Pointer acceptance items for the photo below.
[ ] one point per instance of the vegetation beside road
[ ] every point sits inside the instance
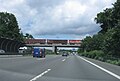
(105, 45)
(101, 56)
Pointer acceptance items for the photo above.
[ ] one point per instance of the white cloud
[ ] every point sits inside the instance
(55, 18)
(69, 11)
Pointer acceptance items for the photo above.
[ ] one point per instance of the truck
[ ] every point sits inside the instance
(39, 52)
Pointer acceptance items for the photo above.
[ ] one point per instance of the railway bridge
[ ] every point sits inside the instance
(52, 43)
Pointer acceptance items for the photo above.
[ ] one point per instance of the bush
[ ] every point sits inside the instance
(100, 55)
(116, 62)
(119, 63)
(108, 61)
(96, 54)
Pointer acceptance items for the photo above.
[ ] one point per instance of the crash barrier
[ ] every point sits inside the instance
(10, 55)
(15, 54)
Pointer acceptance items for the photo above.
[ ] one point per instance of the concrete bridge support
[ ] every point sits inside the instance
(54, 49)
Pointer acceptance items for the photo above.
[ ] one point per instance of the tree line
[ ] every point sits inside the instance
(9, 28)
(106, 43)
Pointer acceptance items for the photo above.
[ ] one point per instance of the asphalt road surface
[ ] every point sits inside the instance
(56, 68)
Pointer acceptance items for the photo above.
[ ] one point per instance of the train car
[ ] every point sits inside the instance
(34, 41)
(57, 41)
(74, 41)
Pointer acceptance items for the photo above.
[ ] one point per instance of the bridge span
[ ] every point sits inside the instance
(53, 43)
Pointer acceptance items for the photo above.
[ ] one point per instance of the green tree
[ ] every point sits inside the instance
(109, 21)
(105, 20)
(98, 40)
(93, 43)
(112, 42)
(109, 18)
(28, 36)
(87, 43)
(116, 13)
(9, 27)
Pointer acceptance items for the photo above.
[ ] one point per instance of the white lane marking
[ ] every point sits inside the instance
(40, 75)
(105, 70)
(40, 58)
(63, 60)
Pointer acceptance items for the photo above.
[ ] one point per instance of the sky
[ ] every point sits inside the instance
(56, 19)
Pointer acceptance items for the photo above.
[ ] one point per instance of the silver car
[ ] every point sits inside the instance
(2, 51)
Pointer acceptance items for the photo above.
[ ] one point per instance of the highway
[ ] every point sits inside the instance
(56, 68)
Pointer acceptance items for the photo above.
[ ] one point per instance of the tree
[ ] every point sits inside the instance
(109, 18)
(9, 27)
(87, 43)
(109, 21)
(28, 36)
(112, 42)
(105, 20)
(93, 43)
(98, 41)
(116, 13)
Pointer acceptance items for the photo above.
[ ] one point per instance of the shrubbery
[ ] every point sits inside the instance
(94, 54)
(116, 62)
(100, 55)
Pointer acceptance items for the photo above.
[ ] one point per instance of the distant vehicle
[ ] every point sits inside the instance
(65, 54)
(2, 51)
(39, 52)
(22, 49)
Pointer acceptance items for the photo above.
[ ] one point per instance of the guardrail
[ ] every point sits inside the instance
(11, 54)
(14, 54)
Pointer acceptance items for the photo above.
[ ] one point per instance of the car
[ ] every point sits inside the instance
(2, 51)
(65, 54)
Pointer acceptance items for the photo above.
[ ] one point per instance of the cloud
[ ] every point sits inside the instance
(56, 18)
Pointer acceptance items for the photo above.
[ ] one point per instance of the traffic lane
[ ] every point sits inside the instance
(13, 76)
(11, 71)
(113, 68)
(76, 69)
(22, 69)
(17, 64)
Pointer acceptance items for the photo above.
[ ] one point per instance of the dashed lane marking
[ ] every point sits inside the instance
(63, 60)
(41, 58)
(40, 75)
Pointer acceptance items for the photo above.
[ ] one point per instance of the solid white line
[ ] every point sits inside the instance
(105, 70)
(63, 60)
(40, 75)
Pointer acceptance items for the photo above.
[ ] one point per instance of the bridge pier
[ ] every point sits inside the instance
(54, 49)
